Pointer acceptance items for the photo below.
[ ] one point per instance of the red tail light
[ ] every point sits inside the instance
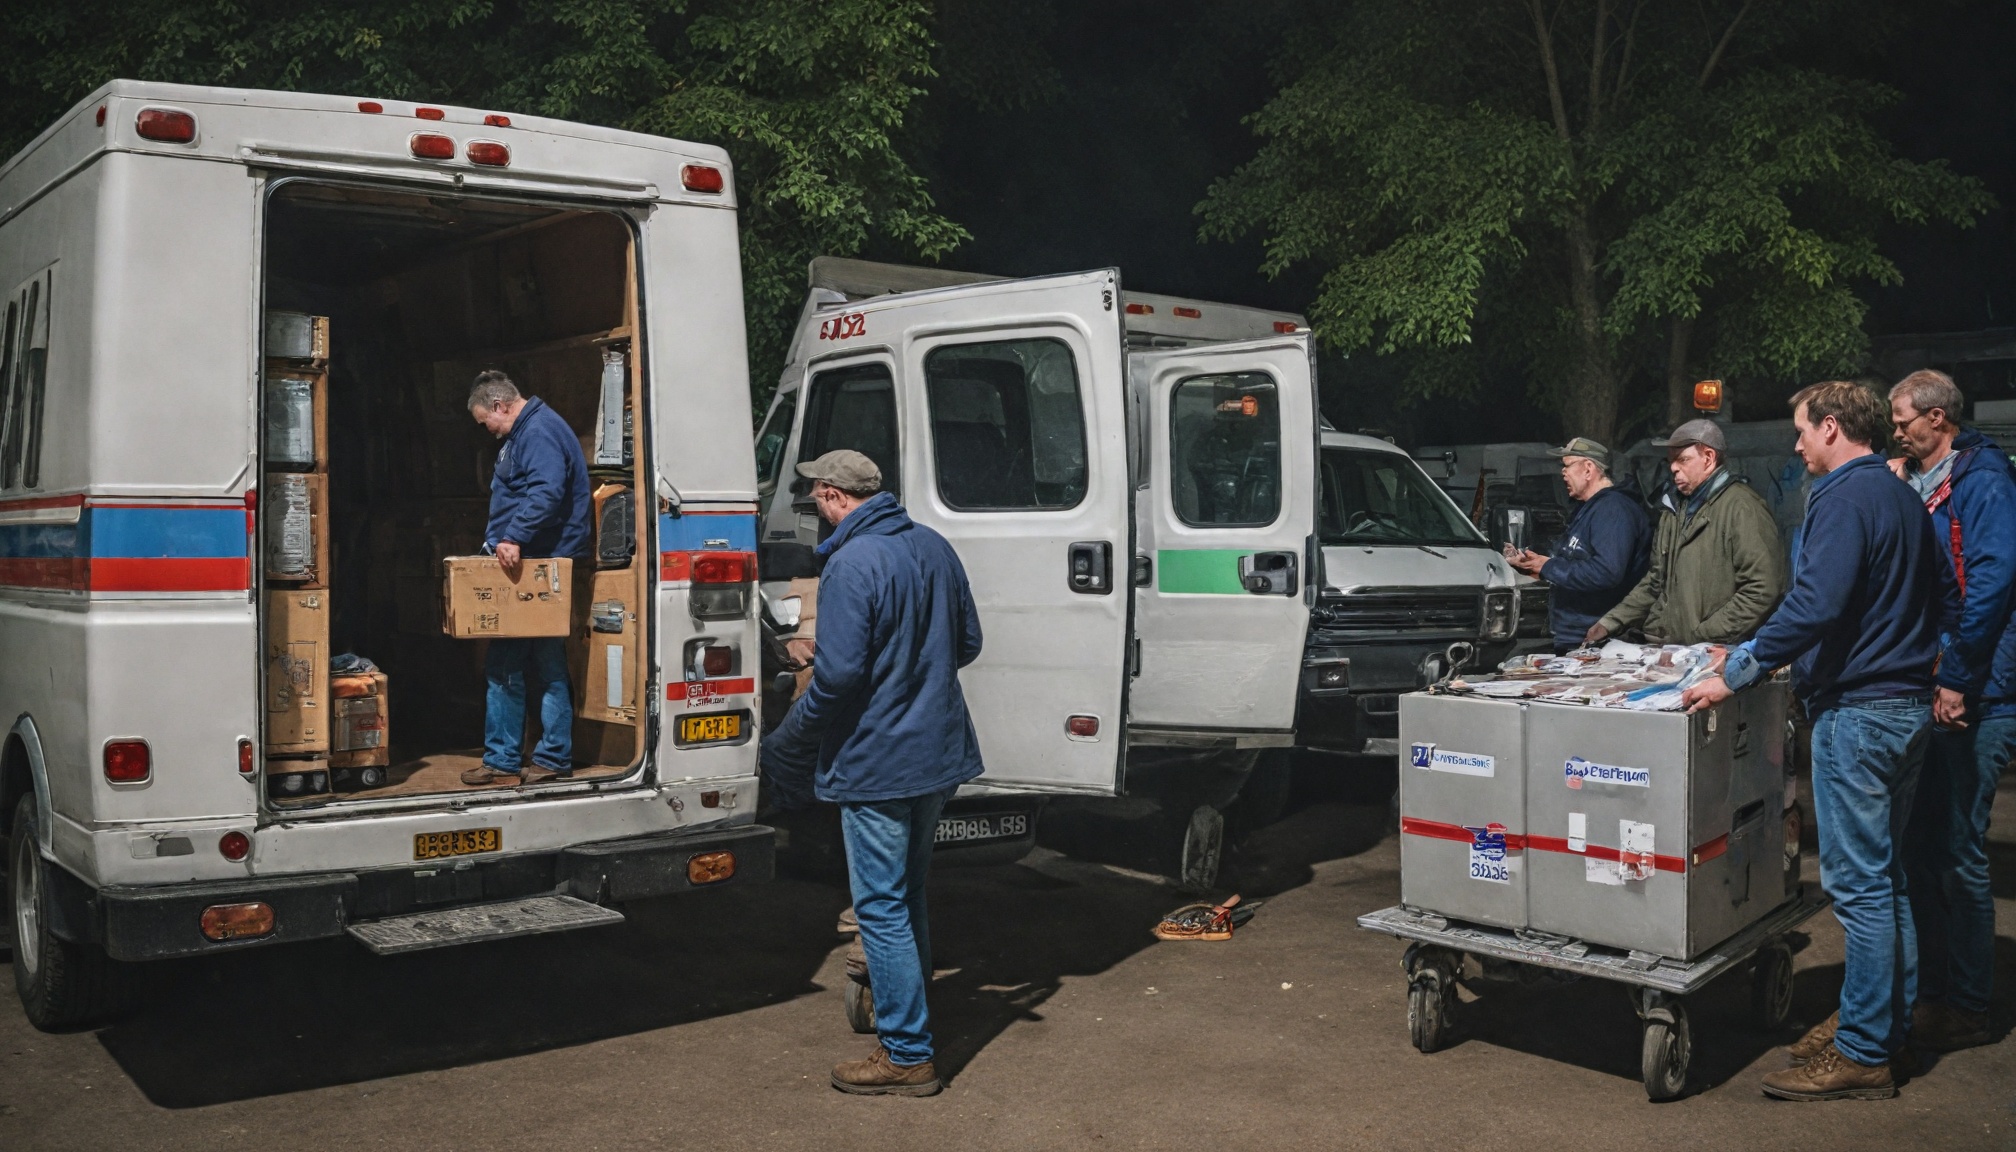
(246, 765)
(1140, 309)
(371, 106)
(429, 113)
(1286, 326)
(128, 761)
(701, 178)
(429, 146)
(496, 121)
(234, 846)
(717, 660)
(1083, 726)
(1187, 313)
(487, 152)
(166, 125)
(723, 568)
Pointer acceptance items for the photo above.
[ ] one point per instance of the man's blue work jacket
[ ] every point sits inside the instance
(884, 717)
(1975, 520)
(539, 498)
(1602, 557)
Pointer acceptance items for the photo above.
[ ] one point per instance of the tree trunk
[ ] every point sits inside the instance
(1589, 407)
(1679, 384)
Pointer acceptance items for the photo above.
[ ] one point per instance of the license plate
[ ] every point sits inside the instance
(466, 842)
(707, 729)
(969, 829)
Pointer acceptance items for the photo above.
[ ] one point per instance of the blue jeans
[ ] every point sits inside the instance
(1946, 856)
(507, 667)
(1866, 758)
(888, 858)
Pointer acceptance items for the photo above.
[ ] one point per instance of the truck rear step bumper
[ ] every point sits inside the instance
(470, 923)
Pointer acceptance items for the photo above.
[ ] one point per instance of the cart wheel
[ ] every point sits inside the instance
(1795, 830)
(860, 1002)
(1431, 999)
(1771, 986)
(1203, 848)
(1668, 1047)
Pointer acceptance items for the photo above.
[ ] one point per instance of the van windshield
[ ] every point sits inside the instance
(1372, 497)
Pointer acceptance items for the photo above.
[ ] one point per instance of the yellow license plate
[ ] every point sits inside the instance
(704, 729)
(466, 842)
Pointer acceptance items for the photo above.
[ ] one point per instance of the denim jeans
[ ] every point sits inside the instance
(510, 663)
(1946, 857)
(1866, 758)
(888, 858)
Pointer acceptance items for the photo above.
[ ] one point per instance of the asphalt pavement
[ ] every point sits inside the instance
(712, 1020)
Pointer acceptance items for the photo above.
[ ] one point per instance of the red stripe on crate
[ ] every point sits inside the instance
(1712, 849)
(180, 574)
(701, 689)
(1436, 830)
(1600, 852)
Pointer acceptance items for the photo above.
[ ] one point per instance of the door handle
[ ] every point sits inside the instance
(1269, 574)
(1091, 567)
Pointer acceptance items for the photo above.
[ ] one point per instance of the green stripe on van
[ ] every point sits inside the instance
(1206, 570)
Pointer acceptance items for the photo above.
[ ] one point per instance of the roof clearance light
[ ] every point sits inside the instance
(128, 761)
(496, 121)
(488, 152)
(701, 178)
(1286, 327)
(371, 106)
(429, 113)
(101, 116)
(1140, 309)
(1708, 396)
(247, 766)
(1187, 313)
(431, 146)
(166, 125)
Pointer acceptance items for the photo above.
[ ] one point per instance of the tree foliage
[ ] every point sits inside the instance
(808, 96)
(1607, 194)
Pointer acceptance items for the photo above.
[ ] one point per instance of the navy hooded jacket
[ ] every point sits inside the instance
(1870, 591)
(1978, 654)
(539, 497)
(884, 717)
(1602, 557)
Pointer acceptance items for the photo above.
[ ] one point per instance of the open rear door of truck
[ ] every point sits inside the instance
(998, 414)
(1226, 515)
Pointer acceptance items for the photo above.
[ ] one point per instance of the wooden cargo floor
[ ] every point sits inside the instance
(442, 772)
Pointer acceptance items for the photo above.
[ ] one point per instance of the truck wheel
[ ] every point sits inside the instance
(1203, 848)
(62, 983)
(1263, 798)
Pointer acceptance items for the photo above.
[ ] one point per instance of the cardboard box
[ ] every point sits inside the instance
(296, 528)
(297, 671)
(362, 735)
(480, 602)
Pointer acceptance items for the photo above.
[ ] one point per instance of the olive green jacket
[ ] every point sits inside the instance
(1716, 581)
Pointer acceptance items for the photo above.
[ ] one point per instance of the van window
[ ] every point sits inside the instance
(1225, 450)
(24, 377)
(770, 442)
(854, 407)
(1007, 425)
(1372, 497)
(10, 346)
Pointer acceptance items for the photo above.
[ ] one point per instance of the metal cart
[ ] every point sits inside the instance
(1658, 985)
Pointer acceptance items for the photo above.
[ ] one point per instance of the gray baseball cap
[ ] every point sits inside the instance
(846, 470)
(1704, 432)
(1584, 447)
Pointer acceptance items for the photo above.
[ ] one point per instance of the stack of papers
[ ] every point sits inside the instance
(1640, 677)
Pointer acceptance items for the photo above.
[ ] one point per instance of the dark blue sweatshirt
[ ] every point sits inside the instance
(1602, 557)
(884, 717)
(1978, 654)
(1870, 589)
(539, 497)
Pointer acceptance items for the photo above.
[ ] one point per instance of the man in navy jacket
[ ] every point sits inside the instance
(1966, 482)
(1601, 557)
(883, 732)
(1860, 627)
(539, 508)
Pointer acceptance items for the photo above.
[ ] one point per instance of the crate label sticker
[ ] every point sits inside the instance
(1634, 850)
(1578, 831)
(1579, 772)
(1437, 759)
(1602, 872)
(1488, 858)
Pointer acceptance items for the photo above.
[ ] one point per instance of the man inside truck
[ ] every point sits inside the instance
(539, 509)
(1604, 552)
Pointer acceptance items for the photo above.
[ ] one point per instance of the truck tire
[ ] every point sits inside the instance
(1263, 798)
(62, 983)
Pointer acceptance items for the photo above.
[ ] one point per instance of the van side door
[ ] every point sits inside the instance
(1226, 508)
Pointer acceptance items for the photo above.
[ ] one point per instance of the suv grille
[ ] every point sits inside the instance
(1390, 611)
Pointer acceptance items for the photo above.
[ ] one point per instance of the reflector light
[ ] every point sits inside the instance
(101, 116)
(429, 113)
(246, 766)
(1286, 326)
(710, 867)
(1708, 396)
(487, 152)
(234, 845)
(428, 146)
(1186, 313)
(128, 761)
(710, 799)
(722, 568)
(701, 178)
(371, 106)
(166, 125)
(496, 121)
(717, 660)
(223, 922)
(1082, 726)
(1140, 309)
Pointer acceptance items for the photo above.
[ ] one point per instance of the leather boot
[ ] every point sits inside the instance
(879, 1076)
(1817, 1039)
(1939, 1027)
(1831, 1076)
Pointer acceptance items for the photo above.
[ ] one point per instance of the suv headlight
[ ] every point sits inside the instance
(1501, 614)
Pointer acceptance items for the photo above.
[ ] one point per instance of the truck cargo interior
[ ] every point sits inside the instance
(381, 308)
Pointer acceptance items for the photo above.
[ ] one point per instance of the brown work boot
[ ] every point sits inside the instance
(1816, 1040)
(879, 1076)
(1831, 1076)
(1938, 1027)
